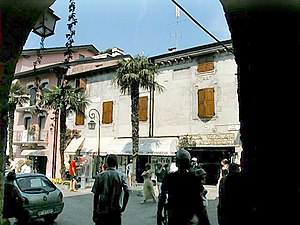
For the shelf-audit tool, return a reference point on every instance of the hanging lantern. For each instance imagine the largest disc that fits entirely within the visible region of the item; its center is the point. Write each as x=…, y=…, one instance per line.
x=46, y=24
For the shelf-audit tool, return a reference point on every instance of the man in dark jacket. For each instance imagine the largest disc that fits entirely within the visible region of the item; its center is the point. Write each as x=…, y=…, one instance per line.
x=107, y=189
x=180, y=195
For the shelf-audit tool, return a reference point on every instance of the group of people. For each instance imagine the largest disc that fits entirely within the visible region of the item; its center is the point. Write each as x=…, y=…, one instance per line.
x=12, y=165
x=180, y=197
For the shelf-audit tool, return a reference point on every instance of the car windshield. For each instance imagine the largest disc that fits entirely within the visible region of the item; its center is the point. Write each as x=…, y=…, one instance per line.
x=35, y=184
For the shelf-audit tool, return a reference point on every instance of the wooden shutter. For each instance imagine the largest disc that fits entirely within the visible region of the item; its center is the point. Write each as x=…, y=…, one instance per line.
x=205, y=67
x=143, y=111
x=82, y=84
x=209, y=66
x=107, y=112
x=206, y=103
x=79, y=120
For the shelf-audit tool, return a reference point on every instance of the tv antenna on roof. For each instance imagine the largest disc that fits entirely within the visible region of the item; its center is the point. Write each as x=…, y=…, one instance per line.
x=177, y=33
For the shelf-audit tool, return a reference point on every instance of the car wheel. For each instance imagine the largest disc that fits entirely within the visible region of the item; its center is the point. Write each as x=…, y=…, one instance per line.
x=50, y=218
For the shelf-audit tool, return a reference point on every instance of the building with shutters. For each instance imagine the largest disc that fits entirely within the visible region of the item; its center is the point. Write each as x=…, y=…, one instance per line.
x=35, y=135
x=197, y=110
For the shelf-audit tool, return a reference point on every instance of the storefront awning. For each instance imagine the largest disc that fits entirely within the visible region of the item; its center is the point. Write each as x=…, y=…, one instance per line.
x=90, y=146
x=35, y=152
x=147, y=146
x=73, y=146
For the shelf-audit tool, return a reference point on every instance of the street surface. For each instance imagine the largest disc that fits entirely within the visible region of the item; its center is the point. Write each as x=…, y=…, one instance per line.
x=79, y=207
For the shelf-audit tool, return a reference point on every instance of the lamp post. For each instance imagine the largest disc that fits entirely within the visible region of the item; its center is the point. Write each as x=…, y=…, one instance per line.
x=92, y=126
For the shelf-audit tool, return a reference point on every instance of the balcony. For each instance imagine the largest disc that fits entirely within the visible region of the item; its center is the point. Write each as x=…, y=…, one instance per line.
x=39, y=137
x=30, y=106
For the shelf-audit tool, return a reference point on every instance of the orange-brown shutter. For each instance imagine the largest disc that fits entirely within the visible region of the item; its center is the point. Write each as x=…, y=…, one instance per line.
x=206, y=103
x=82, y=84
x=210, y=103
x=209, y=66
x=201, y=103
x=204, y=67
x=143, y=108
x=79, y=120
x=107, y=112
x=200, y=68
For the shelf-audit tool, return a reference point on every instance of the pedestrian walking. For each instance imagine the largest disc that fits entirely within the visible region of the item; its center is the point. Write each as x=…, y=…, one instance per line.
x=223, y=173
x=160, y=172
x=129, y=170
x=201, y=173
x=194, y=164
x=232, y=198
x=180, y=195
x=148, y=187
x=26, y=167
x=73, y=174
x=108, y=188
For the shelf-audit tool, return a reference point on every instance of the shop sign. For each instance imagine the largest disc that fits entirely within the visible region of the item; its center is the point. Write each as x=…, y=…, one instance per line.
x=214, y=139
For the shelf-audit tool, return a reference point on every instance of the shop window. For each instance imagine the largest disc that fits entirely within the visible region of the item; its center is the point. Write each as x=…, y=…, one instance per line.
x=107, y=112
x=143, y=108
x=206, y=103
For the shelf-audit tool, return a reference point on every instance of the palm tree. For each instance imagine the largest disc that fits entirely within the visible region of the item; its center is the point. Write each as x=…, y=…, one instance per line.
x=18, y=95
x=64, y=100
x=130, y=76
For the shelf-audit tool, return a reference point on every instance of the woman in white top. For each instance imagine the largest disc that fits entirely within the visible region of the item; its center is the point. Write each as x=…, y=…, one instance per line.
x=26, y=167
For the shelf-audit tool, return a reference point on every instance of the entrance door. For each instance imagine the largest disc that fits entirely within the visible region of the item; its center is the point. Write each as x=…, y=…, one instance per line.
x=209, y=159
x=39, y=163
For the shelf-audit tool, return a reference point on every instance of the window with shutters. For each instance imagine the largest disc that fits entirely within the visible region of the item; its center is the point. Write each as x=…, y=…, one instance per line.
x=205, y=67
x=79, y=120
x=206, y=103
x=107, y=112
x=143, y=110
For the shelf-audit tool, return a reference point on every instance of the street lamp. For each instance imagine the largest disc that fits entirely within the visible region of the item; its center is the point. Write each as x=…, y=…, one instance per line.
x=46, y=24
x=92, y=126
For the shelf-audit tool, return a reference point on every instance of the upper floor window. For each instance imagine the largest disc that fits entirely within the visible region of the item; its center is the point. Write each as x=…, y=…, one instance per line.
x=143, y=108
x=81, y=56
x=107, y=112
x=206, y=103
x=32, y=93
x=27, y=123
x=205, y=67
x=79, y=120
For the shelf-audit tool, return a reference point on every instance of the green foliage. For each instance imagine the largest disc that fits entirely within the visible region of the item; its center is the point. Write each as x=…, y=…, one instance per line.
x=138, y=72
x=71, y=98
x=18, y=95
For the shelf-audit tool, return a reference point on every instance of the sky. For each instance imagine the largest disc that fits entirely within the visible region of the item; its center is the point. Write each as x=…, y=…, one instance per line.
x=149, y=27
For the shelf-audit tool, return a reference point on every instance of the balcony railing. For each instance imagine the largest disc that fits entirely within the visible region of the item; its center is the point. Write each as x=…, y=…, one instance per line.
x=25, y=137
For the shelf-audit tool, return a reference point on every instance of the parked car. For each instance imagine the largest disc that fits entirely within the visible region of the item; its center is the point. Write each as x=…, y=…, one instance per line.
x=42, y=198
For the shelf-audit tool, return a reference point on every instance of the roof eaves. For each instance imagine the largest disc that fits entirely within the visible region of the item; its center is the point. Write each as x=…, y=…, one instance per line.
x=191, y=52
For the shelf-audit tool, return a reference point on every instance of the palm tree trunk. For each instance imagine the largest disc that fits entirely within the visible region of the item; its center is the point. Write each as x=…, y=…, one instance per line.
x=10, y=131
x=135, y=127
x=62, y=146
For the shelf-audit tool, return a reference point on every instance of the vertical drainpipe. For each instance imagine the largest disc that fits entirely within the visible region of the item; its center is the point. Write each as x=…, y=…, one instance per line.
x=151, y=110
